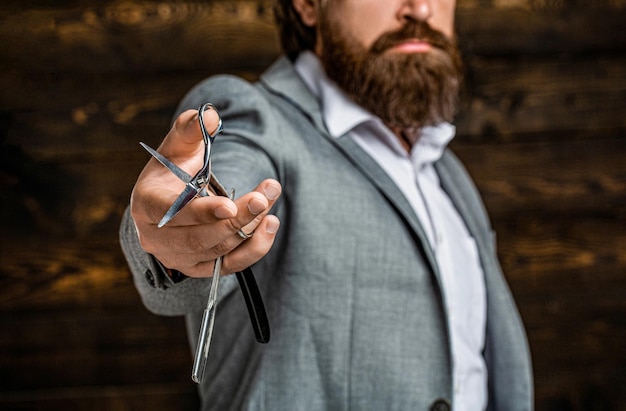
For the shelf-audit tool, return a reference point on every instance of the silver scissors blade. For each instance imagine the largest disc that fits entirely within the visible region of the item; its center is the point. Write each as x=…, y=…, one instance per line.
x=206, y=327
x=177, y=171
x=188, y=194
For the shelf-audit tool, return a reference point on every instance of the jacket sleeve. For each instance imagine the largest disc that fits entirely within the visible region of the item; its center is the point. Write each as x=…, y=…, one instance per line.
x=158, y=292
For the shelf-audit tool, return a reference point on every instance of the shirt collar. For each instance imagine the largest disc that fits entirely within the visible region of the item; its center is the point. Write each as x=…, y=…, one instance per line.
x=341, y=114
x=431, y=143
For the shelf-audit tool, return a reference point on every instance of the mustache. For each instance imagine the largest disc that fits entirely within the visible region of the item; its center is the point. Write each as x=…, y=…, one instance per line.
x=412, y=30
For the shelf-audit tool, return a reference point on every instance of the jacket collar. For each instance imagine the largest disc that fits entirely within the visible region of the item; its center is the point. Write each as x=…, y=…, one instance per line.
x=281, y=79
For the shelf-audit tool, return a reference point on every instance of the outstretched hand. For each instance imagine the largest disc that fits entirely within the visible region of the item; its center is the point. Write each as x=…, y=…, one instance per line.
x=206, y=227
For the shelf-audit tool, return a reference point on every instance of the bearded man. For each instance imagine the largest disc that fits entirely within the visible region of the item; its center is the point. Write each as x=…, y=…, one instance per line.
x=382, y=286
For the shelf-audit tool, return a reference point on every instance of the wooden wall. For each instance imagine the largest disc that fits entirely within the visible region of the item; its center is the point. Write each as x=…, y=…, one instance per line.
x=542, y=129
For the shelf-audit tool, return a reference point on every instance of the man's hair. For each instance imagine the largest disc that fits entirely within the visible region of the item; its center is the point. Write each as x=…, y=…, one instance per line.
x=295, y=37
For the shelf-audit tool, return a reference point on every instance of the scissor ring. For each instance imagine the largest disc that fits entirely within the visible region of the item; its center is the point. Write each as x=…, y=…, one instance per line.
x=208, y=137
x=243, y=235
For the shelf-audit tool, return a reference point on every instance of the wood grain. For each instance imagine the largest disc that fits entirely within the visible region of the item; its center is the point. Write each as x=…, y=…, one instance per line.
x=541, y=128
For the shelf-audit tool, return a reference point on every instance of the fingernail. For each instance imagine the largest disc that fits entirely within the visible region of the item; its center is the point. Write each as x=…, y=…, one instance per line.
x=272, y=225
x=256, y=206
x=272, y=191
x=225, y=212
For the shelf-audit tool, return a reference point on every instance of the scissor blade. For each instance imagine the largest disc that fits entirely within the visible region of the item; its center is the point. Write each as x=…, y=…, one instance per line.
x=185, y=197
x=206, y=326
x=178, y=172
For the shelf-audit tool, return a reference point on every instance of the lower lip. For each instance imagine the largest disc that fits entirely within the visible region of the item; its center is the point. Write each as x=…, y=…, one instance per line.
x=412, y=47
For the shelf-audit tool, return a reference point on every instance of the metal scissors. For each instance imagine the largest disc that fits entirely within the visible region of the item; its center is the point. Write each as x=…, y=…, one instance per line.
x=197, y=184
x=204, y=183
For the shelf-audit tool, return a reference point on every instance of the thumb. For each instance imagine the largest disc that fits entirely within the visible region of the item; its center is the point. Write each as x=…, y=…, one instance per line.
x=185, y=137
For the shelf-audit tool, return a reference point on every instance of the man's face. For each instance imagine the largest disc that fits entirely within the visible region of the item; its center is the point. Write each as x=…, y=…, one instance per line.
x=396, y=58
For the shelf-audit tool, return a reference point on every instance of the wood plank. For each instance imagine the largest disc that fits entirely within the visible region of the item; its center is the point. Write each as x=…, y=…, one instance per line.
x=139, y=36
x=90, y=347
x=566, y=272
x=523, y=27
x=144, y=36
x=551, y=95
x=155, y=397
x=551, y=99
x=86, y=270
x=549, y=177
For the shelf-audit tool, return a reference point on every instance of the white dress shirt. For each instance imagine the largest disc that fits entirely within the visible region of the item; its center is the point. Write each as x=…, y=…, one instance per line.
x=454, y=248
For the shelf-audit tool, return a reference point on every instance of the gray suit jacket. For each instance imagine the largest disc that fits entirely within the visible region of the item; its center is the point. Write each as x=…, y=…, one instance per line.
x=351, y=285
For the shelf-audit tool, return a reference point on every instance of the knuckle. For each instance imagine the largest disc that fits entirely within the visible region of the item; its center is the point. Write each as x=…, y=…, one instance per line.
x=222, y=248
x=145, y=209
x=234, y=225
x=195, y=244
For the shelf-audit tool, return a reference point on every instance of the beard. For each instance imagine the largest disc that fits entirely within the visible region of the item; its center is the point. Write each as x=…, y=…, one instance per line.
x=406, y=90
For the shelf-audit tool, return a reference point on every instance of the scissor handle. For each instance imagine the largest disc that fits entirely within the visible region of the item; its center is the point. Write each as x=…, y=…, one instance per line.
x=201, y=179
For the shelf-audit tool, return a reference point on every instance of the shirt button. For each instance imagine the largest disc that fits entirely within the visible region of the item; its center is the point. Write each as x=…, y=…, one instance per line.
x=440, y=405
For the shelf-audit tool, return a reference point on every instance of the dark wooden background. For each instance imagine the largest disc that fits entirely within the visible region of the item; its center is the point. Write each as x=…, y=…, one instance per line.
x=542, y=129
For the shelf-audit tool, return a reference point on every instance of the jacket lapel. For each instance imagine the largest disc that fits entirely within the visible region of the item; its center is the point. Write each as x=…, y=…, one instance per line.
x=281, y=79
x=370, y=168
x=465, y=199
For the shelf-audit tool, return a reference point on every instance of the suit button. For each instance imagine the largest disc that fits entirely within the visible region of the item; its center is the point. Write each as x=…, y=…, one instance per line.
x=441, y=405
x=150, y=278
